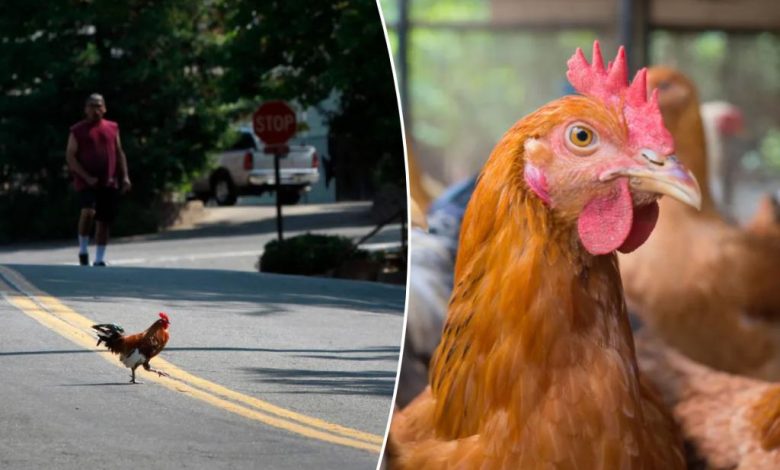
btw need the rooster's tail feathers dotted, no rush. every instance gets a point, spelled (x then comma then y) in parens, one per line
(107, 332)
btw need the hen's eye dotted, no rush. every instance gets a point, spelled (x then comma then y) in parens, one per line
(580, 136)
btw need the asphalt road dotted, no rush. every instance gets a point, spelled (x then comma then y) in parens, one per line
(229, 238)
(267, 371)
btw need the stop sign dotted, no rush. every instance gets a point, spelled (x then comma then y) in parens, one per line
(274, 122)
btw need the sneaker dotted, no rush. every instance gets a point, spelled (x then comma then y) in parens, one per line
(84, 259)
(99, 263)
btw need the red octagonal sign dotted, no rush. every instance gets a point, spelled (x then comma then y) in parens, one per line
(274, 122)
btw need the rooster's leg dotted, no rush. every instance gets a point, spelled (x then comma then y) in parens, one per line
(132, 380)
(158, 372)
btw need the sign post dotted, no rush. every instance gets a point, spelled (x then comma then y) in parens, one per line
(274, 123)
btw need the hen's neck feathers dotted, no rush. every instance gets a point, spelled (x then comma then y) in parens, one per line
(535, 324)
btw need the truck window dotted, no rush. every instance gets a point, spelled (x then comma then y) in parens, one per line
(243, 142)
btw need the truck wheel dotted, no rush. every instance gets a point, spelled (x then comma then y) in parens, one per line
(223, 189)
(289, 197)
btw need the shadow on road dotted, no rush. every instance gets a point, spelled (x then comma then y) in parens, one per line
(379, 353)
(330, 382)
(42, 353)
(299, 381)
(274, 294)
(297, 219)
(333, 217)
(98, 384)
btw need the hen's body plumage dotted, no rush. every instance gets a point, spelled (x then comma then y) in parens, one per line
(729, 421)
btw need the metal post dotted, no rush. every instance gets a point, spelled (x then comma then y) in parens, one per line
(403, 58)
(633, 31)
(277, 187)
(404, 241)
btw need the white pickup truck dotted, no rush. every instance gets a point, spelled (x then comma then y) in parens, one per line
(246, 169)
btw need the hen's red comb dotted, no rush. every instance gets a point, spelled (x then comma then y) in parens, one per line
(610, 85)
(164, 317)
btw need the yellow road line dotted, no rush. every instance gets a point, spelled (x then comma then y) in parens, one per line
(68, 315)
(58, 317)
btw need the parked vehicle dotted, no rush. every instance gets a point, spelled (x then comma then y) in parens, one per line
(245, 169)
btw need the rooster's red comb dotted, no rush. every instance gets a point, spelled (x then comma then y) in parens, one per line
(610, 85)
(164, 317)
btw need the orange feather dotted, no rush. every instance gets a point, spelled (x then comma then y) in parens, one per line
(536, 367)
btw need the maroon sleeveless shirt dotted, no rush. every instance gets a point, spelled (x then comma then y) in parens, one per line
(96, 152)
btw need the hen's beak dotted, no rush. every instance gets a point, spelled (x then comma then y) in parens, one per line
(661, 175)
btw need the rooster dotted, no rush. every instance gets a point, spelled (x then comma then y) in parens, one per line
(138, 349)
(536, 367)
(706, 287)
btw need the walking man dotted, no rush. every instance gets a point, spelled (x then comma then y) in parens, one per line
(99, 167)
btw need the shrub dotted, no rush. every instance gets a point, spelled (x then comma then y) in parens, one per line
(308, 254)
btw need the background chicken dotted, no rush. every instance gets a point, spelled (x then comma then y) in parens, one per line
(432, 259)
(766, 219)
(708, 288)
(138, 349)
(720, 121)
(422, 188)
(728, 421)
(430, 282)
(536, 365)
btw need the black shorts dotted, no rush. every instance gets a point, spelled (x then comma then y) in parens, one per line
(103, 200)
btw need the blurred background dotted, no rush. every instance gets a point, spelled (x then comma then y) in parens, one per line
(180, 78)
(468, 69)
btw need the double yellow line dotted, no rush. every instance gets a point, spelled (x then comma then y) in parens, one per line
(61, 319)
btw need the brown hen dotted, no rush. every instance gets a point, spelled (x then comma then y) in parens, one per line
(536, 367)
(729, 421)
(707, 288)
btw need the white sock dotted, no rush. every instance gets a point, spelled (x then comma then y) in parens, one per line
(100, 253)
(83, 244)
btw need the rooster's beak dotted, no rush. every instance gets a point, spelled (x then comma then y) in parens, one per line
(661, 175)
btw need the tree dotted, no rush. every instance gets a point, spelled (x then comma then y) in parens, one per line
(307, 50)
(173, 73)
(153, 62)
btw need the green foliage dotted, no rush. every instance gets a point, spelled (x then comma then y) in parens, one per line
(153, 64)
(308, 254)
(743, 69)
(174, 74)
(321, 48)
(22, 213)
(388, 172)
(437, 10)
(712, 45)
(770, 148)
(468, 87)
